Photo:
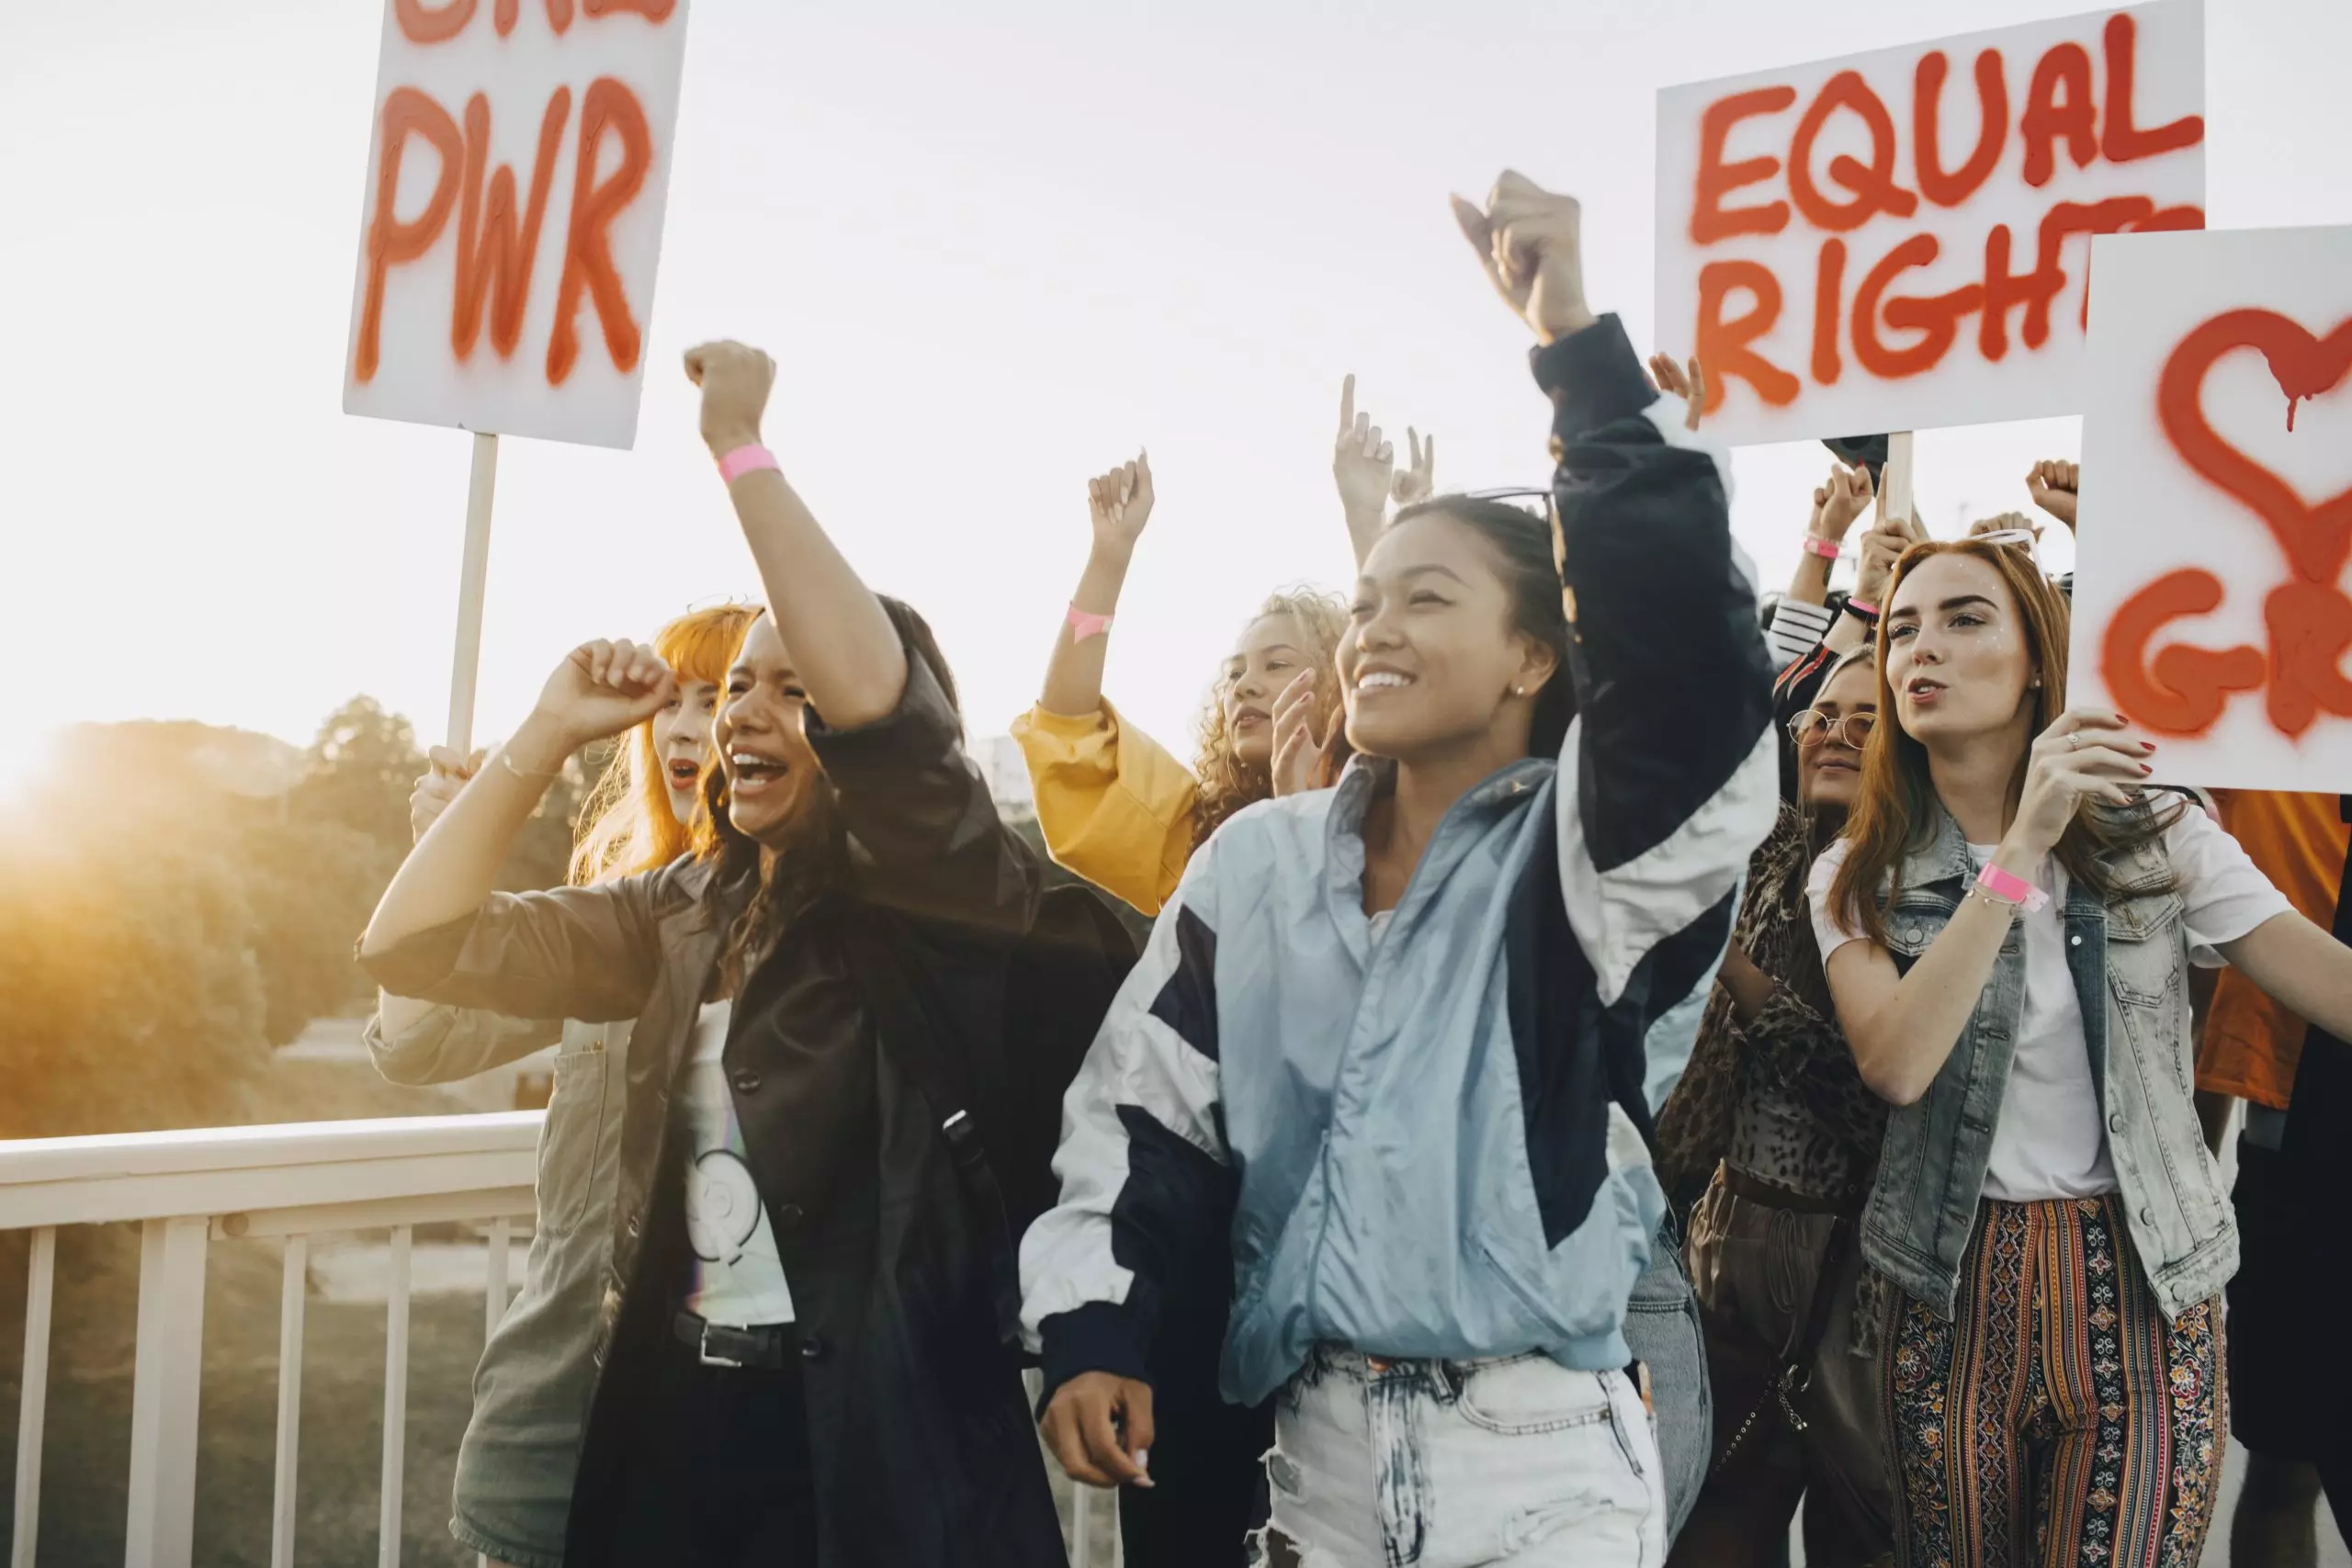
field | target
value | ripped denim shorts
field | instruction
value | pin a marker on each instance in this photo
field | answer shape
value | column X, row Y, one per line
column 1514, row 1460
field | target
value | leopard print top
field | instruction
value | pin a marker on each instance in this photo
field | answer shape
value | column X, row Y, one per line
column 1778, row 1097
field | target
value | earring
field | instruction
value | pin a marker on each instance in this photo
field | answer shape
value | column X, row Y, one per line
column 1519, row 690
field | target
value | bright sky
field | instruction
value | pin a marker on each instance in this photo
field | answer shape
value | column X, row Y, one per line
column 992, row 255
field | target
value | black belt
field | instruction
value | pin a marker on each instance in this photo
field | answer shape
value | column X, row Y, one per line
column 770, row 1348
column 1739, row 1184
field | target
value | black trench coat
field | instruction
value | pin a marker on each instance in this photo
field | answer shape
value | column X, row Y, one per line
column 923, row 1446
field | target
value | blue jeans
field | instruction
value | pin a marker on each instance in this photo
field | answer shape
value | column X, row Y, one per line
column 1662, row 1327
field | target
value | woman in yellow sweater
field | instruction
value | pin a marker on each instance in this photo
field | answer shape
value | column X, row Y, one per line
column 1116, row 806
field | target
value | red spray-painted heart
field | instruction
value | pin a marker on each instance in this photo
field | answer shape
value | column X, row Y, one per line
column 2316, row 538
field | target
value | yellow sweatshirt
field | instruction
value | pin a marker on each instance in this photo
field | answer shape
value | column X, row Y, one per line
column 1114, row 806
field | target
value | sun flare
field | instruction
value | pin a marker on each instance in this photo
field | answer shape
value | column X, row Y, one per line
column 24, row 756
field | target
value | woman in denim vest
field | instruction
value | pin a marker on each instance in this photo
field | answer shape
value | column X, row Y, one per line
column 2007, row 929
column 513, row 1489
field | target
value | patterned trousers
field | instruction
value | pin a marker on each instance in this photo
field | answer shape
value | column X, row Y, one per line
column 2057, row 1419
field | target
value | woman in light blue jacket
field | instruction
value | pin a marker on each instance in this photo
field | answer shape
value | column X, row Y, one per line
column 513, row 1491
column 1397, row 1045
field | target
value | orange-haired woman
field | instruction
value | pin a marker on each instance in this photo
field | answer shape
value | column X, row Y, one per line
column 2007, row 928
column 1115, row 805
column 513, row 1491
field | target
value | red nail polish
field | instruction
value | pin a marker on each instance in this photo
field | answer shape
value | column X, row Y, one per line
column 2146, row 768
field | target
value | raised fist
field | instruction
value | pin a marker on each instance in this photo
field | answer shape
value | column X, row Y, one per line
column 602, row 689
column 2054, row 486
column 1529, row 242
column 734, row 378
column 1120, row 503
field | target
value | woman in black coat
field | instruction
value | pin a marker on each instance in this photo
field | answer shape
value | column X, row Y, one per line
column 800, row 1356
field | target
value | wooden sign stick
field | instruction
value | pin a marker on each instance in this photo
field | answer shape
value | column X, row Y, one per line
column 472, row 578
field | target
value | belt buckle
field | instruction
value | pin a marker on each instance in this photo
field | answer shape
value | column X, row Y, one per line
column 708, row 1359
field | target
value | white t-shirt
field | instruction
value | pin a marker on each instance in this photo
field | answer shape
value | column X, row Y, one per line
column 739, row 1277
column 2050, row 1142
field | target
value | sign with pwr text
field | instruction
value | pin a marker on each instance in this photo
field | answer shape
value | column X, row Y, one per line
column 1901, row 240
column 512, row 219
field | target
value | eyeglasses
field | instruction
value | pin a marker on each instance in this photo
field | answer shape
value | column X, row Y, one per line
column 1812, row 727
column 2022, row 537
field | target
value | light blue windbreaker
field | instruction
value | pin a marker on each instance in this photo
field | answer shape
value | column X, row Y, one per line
column 1405, row 1140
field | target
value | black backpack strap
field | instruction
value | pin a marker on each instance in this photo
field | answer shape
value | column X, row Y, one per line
column 906, row 1032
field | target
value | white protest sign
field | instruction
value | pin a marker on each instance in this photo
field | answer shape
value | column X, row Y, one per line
column 1899, row 240
column 512, row 219
column 2216, row 512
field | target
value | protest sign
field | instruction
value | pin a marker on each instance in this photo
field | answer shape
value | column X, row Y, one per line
column 2216, row 513
column 1899, row 240
column 512, row 215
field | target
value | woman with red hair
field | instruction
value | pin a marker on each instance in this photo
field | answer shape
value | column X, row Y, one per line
column 2007, row 927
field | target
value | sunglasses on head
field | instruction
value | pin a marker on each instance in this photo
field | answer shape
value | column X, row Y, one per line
column 1812, row 727
column 1516, row 496
column 2024, row 538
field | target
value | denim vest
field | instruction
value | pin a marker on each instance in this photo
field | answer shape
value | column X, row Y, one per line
column 2128, row 955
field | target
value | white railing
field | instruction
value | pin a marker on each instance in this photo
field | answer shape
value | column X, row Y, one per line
column 187, row 1190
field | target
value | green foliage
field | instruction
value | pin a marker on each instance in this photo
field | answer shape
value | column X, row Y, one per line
column 179, row 899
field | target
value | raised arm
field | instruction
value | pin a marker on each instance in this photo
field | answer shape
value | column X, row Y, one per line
column 1119, row 503
column 415, row 1041
column 847, row 652
column 2055, row 484
column 1882, row 545
column 1838, row 503
column 1670, row 777
column 442, row 932
column 1363, row 467
column 599, row 690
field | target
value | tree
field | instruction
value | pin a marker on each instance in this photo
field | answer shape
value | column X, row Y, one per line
column 359, row 773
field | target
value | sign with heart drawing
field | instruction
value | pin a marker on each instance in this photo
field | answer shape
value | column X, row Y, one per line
column 2210, row 602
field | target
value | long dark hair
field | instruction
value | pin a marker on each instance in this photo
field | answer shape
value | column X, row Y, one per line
column 1521, row 542
column 813, row 860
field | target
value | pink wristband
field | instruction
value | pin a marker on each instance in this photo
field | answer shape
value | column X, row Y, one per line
column 1084, row 625
column 1815, row 545
column 745, row 460
column 2012, row 890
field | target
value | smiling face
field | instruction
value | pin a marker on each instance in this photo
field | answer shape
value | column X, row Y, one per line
column 1270, row 656
column 772, row 773
column 681, row 743
column 1830, row 774
column 1433, row 651
column 1958, row 657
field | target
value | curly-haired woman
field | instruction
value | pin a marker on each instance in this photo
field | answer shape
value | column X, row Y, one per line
column 1117, row 807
